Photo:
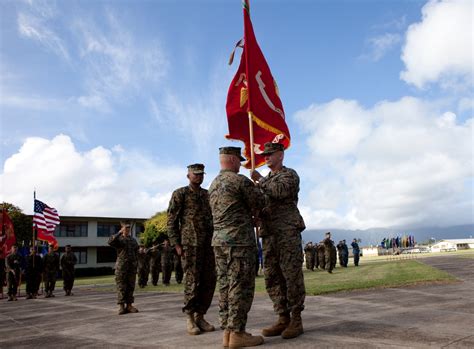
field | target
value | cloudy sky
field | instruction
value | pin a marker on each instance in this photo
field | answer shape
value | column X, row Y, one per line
column 104, row 103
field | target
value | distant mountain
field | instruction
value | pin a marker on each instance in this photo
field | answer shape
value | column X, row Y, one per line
column 374, row 236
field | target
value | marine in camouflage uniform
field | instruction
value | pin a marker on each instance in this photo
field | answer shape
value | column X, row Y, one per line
column 50, row 271
column 155, row 264
column 167, row 257
column 125, row 267
column 13, row 268
column 34, row 269
column 329, row 253
column 282, row 225
column 309, row 252
column 190, row 231
column 143, row 269
column 321, row 255
column 234, row 199
column 68, row 262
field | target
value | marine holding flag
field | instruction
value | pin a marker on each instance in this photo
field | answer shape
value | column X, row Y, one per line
column 253, row 93
column 253, row 100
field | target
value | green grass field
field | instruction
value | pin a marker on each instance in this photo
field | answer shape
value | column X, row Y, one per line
column 382, row 274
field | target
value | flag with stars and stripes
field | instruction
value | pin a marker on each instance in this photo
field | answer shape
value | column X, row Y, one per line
column 45, row 220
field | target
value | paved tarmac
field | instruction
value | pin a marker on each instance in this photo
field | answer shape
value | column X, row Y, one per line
column 423, row 316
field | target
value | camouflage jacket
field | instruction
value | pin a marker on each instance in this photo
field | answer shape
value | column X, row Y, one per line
column 13, row 262
column 281, row 199
column 189, row 217
column 234, row 198
column 51, row 262
column 127, row 250
column 68, row 260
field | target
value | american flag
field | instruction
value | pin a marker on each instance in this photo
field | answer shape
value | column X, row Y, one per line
column 45, row 217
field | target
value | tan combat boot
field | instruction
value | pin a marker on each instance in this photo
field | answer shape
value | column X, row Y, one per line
column 277, row 328
column 225, row 339
column 131, row 309
column 202, row 323
column 243, row 339
column 192, row 328
column 295, row 328
column 122, row 309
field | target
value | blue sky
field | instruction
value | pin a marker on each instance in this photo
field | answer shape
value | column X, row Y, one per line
column 104, row 103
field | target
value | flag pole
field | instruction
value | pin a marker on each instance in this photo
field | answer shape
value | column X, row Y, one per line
column 252, row 155
column 33, row 237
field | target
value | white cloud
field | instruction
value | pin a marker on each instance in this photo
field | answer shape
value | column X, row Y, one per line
column 382, row 44
column 439, row 49
column 36, row 27
column 402, row 162
column 102, row 182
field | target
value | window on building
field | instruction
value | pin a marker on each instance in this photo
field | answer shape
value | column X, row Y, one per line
column 69, row 229
column 80, row 252
column 106, row 254
column 140, row 228
column 107, row 229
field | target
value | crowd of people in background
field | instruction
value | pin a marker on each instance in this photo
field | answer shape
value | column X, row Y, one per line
column 322, row 255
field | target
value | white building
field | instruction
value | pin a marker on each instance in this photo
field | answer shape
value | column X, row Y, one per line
column 88, row 238
column 452, row 245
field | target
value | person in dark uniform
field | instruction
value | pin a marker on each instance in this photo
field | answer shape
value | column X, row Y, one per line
column 34, row 269
column 13, row 269
column 143, row 269
column 155, row 263
column 50, row 271
column 68, row 262
column 167, row 256
column 355, row 252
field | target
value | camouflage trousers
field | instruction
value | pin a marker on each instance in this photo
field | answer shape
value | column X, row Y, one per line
column 143, row 276
column 125, row 280
column 33, row 281
column 12, row 282
column 167, row 269
column 321, row 260
column 49, row 279
column 283, row 268
column 199, row 278
column 68, row 279
column 330, row 258
column 309, row 261
column 155, row 273
column 235, row 268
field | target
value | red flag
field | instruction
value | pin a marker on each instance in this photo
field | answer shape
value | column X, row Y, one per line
column 7, row 234
column 253, row 90
column 45, row 219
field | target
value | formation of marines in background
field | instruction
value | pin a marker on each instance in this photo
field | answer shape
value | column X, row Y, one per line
column 323, row 254
column 36, row 270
